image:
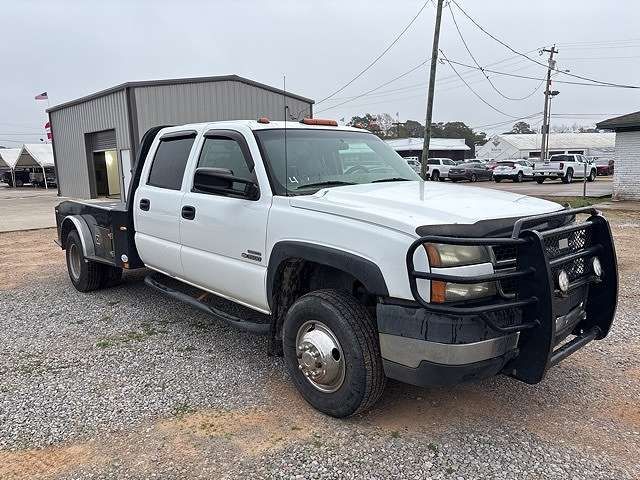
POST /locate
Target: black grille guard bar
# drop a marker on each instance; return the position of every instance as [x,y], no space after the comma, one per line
[536,298]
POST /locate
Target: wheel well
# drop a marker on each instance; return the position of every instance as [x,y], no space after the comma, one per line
[295,277]
[67,227]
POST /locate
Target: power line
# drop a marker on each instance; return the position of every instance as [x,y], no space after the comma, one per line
[444,80]
[526,117]
[569,82]
[379,56]
[453,17]
[473,91]
[619,85]
[378,87]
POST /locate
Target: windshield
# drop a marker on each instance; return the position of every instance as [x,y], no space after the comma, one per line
[326,158]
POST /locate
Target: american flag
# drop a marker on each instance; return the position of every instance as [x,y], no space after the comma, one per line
[42,96]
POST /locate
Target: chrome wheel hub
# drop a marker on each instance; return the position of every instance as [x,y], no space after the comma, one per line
[320,356]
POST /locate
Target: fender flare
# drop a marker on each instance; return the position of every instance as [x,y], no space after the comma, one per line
[365,271]
[86,238]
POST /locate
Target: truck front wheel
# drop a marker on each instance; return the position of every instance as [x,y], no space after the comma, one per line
[84,274]
[332,352]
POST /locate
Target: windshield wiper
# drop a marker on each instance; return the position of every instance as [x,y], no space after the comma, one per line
[327,183]
[392,179]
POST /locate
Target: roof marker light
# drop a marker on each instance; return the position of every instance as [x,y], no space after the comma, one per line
[319,121]
[263,120]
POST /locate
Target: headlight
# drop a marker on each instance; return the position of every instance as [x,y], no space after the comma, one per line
[443,256]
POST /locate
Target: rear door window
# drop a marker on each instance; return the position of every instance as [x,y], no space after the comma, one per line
[170,161]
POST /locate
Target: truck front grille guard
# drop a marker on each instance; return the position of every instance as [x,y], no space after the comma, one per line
[539,256]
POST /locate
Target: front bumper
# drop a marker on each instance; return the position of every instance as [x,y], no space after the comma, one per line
[522,334]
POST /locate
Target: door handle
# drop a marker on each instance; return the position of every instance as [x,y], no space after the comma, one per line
[145,204]
[188,212]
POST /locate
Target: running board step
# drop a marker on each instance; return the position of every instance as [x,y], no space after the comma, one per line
[236,322]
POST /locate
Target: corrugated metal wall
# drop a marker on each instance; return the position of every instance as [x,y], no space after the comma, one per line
[70,124]
[207,102]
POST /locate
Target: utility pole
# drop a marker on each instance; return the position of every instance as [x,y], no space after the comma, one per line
[432,83]
[547,93]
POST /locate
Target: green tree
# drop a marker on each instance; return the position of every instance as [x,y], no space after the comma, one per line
[368,122]
[459,130]
[521,127]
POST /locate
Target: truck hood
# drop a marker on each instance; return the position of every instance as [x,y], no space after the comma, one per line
[406,205]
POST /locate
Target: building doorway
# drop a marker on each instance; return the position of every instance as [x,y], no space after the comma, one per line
[107,176]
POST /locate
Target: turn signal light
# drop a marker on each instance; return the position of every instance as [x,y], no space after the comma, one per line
[438,291]
[561,165]
[319,121]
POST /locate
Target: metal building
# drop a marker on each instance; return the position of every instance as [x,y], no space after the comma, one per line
[453,148]
[511,146]
[626,175]
[95,137]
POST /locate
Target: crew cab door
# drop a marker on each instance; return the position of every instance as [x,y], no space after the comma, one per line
[224,234]
[157,202]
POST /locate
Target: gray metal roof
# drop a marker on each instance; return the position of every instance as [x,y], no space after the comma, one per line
[178,81]
[630,120]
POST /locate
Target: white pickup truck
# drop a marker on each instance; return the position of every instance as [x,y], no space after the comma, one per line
[324,239]
[565,167]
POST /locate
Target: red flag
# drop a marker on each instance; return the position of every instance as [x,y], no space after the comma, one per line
[47,127]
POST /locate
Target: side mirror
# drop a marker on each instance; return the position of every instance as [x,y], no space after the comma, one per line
[221,181]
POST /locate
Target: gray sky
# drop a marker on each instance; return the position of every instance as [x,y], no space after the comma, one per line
[72,48]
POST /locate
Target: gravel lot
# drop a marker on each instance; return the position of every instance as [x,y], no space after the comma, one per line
[125,383]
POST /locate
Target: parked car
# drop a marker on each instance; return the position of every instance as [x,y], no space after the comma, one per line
[438,168]
[22,178]
[514,170]
[352,268]
[604,166]
[565,167]
[414,163]
[472,171]
[37,178]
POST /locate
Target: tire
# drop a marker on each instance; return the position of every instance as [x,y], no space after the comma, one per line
[497,179]
[540,180]
[473,178]
[84,274]
[592,176]
[435,176]
[441,179]
[19,183]
[568,178]
[362,380]
[519,177]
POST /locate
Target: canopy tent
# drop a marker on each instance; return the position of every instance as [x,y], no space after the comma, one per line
[8,159]
[36,155]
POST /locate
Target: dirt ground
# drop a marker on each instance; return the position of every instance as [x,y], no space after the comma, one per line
[600,416]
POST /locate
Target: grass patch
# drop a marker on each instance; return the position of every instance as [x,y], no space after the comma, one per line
[395,434]
[183,409]
[577,202]
[433,447]
[132,336]
[186,348]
